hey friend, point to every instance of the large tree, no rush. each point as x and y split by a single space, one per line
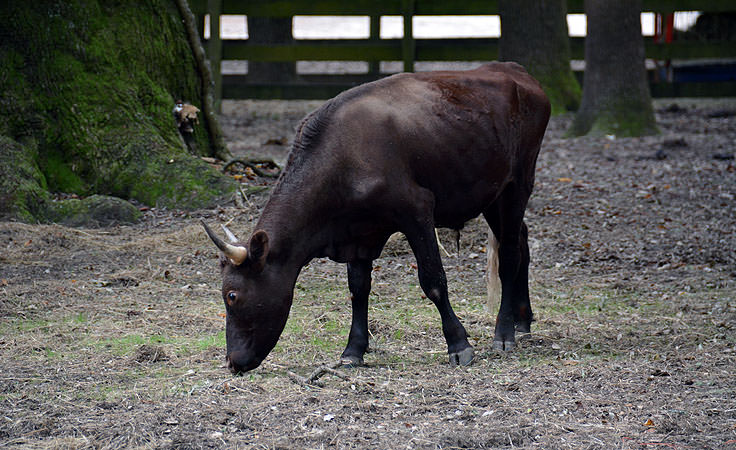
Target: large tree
87 89
616 98
535 34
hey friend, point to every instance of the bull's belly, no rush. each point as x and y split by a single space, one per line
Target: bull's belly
456 216
454 209
455 221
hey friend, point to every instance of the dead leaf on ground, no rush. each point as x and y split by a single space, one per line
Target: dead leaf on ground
276 141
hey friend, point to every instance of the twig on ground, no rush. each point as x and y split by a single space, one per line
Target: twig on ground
298 379
245 197
313 378
255 165
321 370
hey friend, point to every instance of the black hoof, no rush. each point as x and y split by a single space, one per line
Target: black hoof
504 346
462 358
351 361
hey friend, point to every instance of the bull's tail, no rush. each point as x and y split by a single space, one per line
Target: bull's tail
493 282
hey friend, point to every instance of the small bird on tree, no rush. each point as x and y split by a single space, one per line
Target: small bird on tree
186 116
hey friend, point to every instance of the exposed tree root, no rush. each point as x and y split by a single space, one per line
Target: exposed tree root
257 166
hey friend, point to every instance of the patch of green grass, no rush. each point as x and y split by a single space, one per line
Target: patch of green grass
325 343
587 300
335 326
80 318
43 325
217 340
24 325
107 393
123 345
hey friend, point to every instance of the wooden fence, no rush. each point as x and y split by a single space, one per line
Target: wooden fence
408 49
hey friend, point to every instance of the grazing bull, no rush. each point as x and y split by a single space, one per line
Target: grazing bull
407 153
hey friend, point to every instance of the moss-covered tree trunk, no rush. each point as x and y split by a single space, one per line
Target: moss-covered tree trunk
616 98
534 34
87 89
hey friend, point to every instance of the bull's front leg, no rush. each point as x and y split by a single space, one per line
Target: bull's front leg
359 283
432 278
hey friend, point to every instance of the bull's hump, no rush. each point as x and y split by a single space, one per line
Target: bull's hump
398 95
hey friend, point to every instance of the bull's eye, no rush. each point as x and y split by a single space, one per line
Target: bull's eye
231 297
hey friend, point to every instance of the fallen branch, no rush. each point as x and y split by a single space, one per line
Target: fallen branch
256 166
298 379
245 196
319 372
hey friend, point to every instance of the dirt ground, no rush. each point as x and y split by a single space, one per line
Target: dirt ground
114 337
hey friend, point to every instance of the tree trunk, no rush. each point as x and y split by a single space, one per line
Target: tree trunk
87 89
616 98
534 34
270 30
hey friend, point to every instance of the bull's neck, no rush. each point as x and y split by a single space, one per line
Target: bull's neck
294 239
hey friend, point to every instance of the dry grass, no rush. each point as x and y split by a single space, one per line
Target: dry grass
114 338
118 354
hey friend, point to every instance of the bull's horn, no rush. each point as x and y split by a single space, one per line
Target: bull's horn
229 234
235 253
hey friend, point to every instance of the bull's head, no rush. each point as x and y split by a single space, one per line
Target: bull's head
257 299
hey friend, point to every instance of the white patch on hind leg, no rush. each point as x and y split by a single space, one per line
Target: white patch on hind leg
493 282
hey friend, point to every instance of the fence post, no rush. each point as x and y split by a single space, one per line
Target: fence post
407 43
214 49
374 67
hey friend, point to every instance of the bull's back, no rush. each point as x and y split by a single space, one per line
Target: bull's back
462 135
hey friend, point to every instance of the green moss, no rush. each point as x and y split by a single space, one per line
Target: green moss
169 179
22 187
619 120
562 89
620 116
60 177
94 83
623 124
95 210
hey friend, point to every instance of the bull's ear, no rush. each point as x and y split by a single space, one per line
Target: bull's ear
258 250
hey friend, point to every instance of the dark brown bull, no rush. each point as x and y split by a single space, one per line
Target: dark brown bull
407 153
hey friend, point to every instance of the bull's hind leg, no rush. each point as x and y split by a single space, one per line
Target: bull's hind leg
359 283
523 315
419 231
505 218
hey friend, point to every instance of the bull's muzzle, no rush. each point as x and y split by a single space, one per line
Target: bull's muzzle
240 362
